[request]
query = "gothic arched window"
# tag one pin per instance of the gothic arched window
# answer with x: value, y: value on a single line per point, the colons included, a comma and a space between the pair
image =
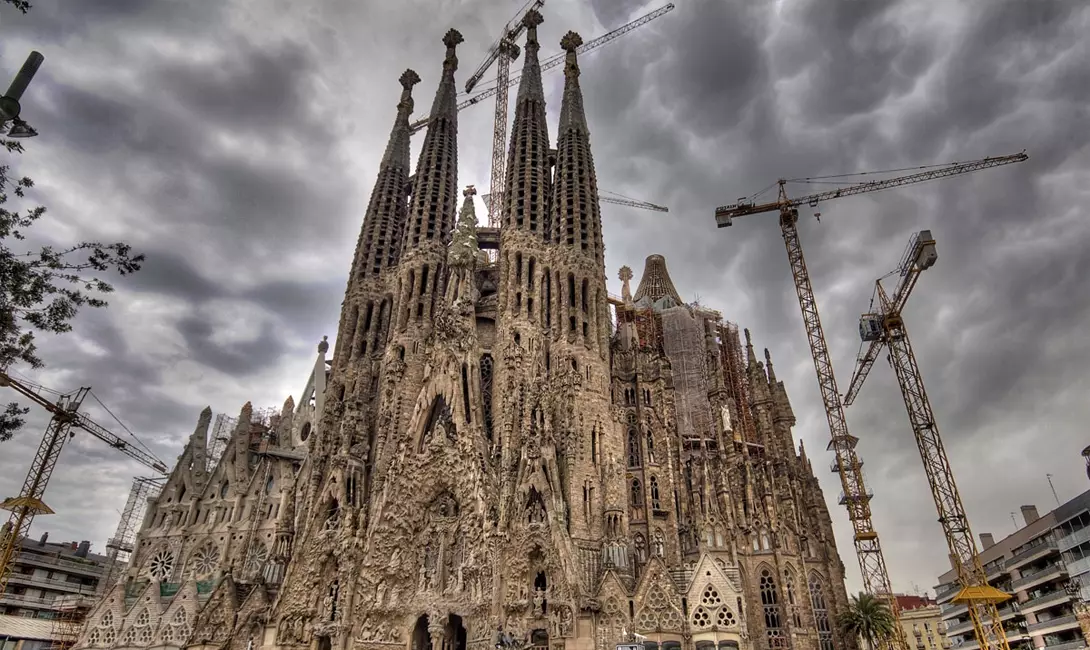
x: 633, y: 448
x: 650, y: 448
x: 770, y: 605
x: 637, y: 493
x: 821, y: 613
x: 655, y: 503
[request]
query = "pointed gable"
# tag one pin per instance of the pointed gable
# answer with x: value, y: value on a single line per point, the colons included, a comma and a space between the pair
x: 661, y: 603
x: 217, y: 618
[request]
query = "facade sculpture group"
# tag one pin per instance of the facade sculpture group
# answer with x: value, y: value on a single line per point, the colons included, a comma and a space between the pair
x: 489, y: 458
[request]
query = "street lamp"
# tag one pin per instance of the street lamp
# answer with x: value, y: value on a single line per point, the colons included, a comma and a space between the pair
x: 9, y: 103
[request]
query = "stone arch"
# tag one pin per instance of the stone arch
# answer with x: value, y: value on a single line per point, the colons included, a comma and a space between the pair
x: 790, y: 589
x: 439, y: 419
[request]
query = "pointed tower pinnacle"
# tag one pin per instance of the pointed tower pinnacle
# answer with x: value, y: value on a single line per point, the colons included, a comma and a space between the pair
x: 433, y: 201
x: 445, y: 104
x: 463, y: 250
x: 530, y: 84
x: 771, y: 371
x: 397, y: 150
x: 656, y: 283
x: 525, y: 201
x: 751, y: 356
x: 380, y: 239
x: 323, y: 345
x: 572, y: 115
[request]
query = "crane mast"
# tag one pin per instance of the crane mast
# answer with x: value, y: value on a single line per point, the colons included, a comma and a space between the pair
x: 887, y: 328
x: 29, y: 503
x: 856, y: 497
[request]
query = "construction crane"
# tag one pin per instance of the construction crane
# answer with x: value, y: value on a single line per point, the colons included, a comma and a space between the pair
x: 856, y: 498
x: 502, y: 53
x: 619, y: 199
x: 29, y: 503
x: 886, y: 328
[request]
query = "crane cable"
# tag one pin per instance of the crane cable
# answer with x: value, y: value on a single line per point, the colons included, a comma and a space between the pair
x: 127, y: 429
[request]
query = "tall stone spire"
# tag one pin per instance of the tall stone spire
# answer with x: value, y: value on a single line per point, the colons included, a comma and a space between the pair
x: 527, y: 182
x: 656, y: 283
x: 431, y: 212
x: 464, y: 250
x: 577, y: 220
x: 380, y: 238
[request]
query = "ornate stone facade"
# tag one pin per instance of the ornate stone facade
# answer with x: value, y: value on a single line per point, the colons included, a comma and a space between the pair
x: 496, y: 460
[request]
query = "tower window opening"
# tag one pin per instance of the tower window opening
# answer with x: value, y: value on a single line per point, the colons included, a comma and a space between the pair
x: 465, y: 393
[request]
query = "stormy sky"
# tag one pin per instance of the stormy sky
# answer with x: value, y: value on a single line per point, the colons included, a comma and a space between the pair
x: 236, y: 143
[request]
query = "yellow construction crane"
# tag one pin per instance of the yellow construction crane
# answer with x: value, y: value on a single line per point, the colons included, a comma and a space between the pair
x: 886, y: 328
x: 29, y: 503
x: 502, y: 53
x: 856, y: 498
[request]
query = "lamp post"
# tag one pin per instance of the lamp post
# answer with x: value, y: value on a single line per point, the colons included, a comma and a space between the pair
x: 9, y: 103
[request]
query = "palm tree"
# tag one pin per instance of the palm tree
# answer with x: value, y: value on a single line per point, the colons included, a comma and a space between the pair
x: 867, y: 618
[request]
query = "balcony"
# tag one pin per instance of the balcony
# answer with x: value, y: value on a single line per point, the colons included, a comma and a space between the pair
x: 1070, y: 645
x: 54, y: 584
x: 1045, y: 600
x: 1054, y: 624
x: 1032, y: 553
x: 954, y: 611
x: 82, y: 568
x: 1039, y: 576
x: 22, y: 600
x: 994, y: 571
x: 1079, y: 567
x: 1068, y: 542
x: 958, y: 629
x: 943, y: 593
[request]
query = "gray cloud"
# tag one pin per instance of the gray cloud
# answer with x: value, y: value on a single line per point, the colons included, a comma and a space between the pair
x: 237, y: 146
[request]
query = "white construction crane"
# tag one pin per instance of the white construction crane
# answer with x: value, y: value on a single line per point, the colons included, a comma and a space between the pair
x: 502, y: 53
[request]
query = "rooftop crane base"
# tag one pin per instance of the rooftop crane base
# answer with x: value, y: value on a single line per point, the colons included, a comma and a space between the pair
x: 37, y: 506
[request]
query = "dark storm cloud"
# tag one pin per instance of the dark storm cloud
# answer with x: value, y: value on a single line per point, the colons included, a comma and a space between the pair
x: 237, y: 144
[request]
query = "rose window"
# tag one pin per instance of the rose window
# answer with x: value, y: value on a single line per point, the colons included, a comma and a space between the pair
x: 204, y: 561
x: 161, y: 565
x: 256, y: 558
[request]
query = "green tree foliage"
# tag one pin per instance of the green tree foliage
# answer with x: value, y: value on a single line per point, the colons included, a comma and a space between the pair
x: 868, y: 618
x: 43, y: 290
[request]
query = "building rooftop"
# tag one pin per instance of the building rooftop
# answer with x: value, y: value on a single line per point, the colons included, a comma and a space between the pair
x: 20, y: 627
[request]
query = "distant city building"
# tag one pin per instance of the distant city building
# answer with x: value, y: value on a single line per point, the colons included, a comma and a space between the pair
x: 1045, y: 566
x: 921, y: 620
x: 45, y: 571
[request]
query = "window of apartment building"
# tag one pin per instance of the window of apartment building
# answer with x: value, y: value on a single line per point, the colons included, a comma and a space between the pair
x: 1076, y: 523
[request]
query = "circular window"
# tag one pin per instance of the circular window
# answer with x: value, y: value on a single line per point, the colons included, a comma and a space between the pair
x: 305, y: 433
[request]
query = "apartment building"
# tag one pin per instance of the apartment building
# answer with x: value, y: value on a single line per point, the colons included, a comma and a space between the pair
x: 921, y: 619
x: 1030, y: 565
x: 45, y: 571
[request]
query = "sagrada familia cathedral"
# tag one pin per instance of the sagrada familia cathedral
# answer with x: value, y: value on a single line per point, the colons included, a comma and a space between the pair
x: 490, y: 458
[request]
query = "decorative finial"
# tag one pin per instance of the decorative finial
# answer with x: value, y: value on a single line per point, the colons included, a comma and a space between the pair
x: 749, y: 341
x: 626, y: 291
x: 531, y: 20
x: 571, y: 42
x: 323, y: 346
x: 470, y: 190
x: 409, y: 78
x: 452, y: 39
x: 768, y: 363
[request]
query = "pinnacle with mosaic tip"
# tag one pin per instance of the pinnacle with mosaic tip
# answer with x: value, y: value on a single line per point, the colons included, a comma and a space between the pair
x: 531, y: 20
x: 571, y: 42
x: 452, y: 39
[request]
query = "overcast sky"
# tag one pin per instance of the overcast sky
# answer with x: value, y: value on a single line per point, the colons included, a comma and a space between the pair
x: 236, y: 144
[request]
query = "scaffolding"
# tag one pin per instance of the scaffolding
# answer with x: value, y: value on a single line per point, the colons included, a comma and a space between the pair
x: 119, y: 547
x: 734, y: 370
x: 70, y: 612
x: 221, y: 434
x: 683, y: 341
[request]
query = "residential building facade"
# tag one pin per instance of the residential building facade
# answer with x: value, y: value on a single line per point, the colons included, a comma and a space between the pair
x: 1037, y: 570
x: 46, y: 571
x: 921, y: 620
